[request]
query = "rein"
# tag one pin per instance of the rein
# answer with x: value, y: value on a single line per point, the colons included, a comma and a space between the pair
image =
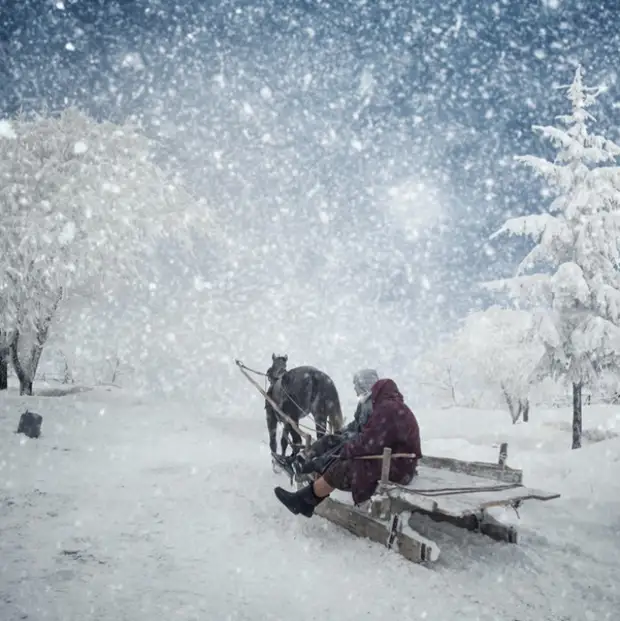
x: 243, y: 366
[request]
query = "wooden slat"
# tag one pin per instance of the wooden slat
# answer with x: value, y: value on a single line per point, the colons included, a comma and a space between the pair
x: 462, y: 494
x: 482, y: 469
x: 411, y: 501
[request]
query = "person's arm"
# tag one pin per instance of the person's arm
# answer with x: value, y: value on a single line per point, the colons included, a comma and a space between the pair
x: 374, y: 436
x: 354, y: 425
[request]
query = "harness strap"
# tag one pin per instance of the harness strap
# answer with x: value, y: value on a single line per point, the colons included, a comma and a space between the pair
x: 242, y: 366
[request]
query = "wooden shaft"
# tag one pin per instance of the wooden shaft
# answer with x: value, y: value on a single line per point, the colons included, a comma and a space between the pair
x: 393, y: 456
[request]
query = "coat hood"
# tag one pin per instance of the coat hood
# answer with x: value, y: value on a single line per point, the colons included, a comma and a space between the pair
x: 385, y: 389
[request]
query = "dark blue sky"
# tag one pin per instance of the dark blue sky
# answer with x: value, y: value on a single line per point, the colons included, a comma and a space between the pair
x: 457, y: 86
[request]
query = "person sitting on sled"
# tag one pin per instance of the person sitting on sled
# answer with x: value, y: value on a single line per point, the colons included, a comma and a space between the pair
x: 317, y: 456
x: 391, y: 424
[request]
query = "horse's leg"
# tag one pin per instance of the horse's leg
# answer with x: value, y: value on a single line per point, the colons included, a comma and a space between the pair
x: 290, y: 409
x: 284, y: 438
x: 295, y: 440
x: 320, y: 422
x: 272, y: 428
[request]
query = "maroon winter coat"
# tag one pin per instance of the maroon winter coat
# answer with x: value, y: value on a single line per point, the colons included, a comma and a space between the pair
x: 393, y: 425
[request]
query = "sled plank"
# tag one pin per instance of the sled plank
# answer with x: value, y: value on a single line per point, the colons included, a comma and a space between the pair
x: 441, y: 486
x: 482, y: 469
x: 386, y: 533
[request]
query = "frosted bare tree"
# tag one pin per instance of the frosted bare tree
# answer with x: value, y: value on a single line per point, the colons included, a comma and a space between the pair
x: 83, y: 209
x: 570, y: 278
x: 440, y: 373
x: 495, y: 347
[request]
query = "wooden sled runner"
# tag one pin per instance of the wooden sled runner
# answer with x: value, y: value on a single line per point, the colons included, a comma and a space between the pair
x: 446, y: 490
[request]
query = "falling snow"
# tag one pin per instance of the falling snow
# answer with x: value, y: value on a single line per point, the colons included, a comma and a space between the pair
x: 354, y: 184
x: 6, y: 130
x: 80, y: 147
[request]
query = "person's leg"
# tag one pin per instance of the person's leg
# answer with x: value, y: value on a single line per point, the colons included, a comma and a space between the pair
x: 322, y: 488
x: 311, y: 460
x: 323, y: 445
x: 304, y: 501
x: 337, y: 476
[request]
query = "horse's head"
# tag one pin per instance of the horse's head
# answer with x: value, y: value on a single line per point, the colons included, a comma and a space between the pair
x: 277, y: 368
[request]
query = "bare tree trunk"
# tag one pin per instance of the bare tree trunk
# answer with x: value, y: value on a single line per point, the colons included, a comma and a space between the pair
x: 25, y: 382
x: 26, y: 375
x: 4, y: 364
x: 526, y: 411
x: 577, y: 416
x: 4, y: 372
x: 515, y: 412
x: 451, y: 385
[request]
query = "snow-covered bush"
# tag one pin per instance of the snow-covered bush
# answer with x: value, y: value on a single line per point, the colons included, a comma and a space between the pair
x: 570, y: 278
x: 83, y: 208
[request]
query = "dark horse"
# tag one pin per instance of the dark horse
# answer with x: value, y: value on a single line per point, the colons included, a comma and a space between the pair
x: 298, y: 392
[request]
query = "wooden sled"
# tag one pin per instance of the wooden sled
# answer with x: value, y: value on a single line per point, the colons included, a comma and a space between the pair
x: 446, y: 490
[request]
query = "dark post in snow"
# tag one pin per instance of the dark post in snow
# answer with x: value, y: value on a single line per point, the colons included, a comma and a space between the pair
x: 577, y: 416
x: 30, y: 424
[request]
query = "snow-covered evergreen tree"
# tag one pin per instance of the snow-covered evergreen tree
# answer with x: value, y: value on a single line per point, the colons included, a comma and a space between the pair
x: 83, y: 208
x: 570, y: 278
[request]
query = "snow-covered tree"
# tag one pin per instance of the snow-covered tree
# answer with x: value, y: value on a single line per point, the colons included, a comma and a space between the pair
x: 498, y: 353
x: 83, y: 208
x: 442, y: 377
x: 570, y: 278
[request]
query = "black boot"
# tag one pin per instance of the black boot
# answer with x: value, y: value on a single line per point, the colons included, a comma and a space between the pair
x: 302, y: 501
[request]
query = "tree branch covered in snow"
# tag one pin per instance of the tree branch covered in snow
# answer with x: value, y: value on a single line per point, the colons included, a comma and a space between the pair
x: 83, y: 208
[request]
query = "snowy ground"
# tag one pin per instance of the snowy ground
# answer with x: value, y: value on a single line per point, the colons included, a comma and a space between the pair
x: 126, y: 509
